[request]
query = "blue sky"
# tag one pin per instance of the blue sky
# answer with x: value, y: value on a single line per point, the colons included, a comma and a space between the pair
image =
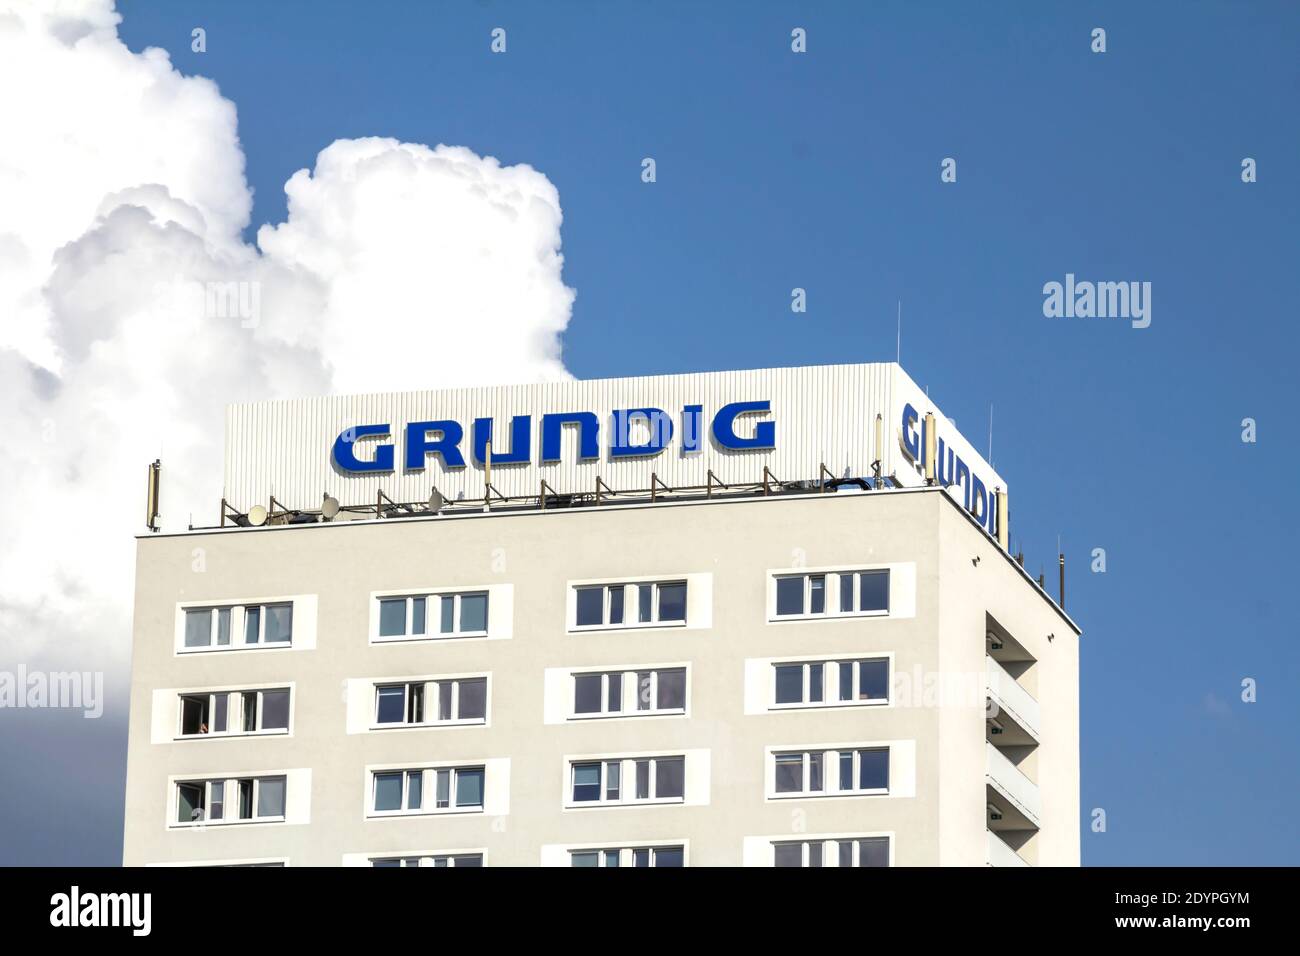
x: 821, y: 171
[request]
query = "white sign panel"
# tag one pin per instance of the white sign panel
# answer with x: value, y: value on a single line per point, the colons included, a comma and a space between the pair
x: 676, y: 428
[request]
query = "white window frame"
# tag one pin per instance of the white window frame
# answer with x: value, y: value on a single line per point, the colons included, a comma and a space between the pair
x: 428, y: 791
x: 632, y: 603
x: 630, y: 692
x: 229, y: 786
x: 238, y: 626
x: 627, y: 854
x: 432, y: 700
x: 828, y: 682
x: 831, y: 850
x: 626, y: 782
x: 833, y: 582
x: 831, y: 757
x: 409, y: 860
x: 234, y: 713
x: 432, y: 617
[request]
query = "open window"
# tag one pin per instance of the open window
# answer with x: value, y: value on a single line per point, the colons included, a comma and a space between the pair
x: 256, y: 799
x: 235, y: 712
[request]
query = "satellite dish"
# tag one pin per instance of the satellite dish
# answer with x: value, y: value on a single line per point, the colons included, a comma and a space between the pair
x: 329, y: 508
x: 436, y: 501
x: 257, y: 516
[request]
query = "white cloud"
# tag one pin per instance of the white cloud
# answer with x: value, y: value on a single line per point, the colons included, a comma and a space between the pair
x: 83, y: 117
x: 123, y: 188
x: 443, y: 268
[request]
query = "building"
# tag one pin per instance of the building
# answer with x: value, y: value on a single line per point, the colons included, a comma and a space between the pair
x: 755, y: 618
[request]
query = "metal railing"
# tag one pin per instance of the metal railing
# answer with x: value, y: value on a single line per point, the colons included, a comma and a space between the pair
x: 1002, y: 855
x: 1011, y: 697
x: 1011, y: 782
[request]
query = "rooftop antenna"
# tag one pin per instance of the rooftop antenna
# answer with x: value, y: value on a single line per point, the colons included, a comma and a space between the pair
x: 879, y: 449
x: 1060, y: 556
x: 152, y: 495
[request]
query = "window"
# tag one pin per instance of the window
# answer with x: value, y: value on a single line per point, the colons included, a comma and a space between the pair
x: 424, y: 703
x: 872, y: 591
x: 630, y: 693
x: 427, y: 616
x: 832, y: 594
x: 630, y: 856
x: 831, y: 683
x: 863, y: 851
x: 442, y: 859
x: 628, y: 780
x: 277, y: 626
x: 238, y: 626
x: 821, y: 773
x: 269, y: 797
x: 630, y: 605
x: 801, y: 594
x: 431, y: 790
x: 399, y: 791
x: 230, y: 713
x: 209, y: 801
x: 273, y: 710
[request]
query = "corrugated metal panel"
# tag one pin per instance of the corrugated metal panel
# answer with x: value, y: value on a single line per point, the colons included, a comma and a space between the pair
x: 822, y: 414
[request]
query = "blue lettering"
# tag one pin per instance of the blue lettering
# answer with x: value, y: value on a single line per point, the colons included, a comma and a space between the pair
x: 692, y: 436
x: 521, y: 441
x: 963, y: 479
x: 346, y: 458
x: 911, y: 441
x: 552, y: 431
x: 418, y: 446
x: 661, y: 432
x: 980, y: 500
x: 724, y: 426
x: 944, y: 477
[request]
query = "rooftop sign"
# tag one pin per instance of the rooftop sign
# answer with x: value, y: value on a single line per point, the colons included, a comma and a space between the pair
x: 674, y: 427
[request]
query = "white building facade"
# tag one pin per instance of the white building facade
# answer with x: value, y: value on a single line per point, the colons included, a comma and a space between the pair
x: 739, y: 618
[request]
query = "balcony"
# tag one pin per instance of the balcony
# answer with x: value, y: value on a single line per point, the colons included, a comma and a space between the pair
x: 1000, y: 854
x: 1015, y: 797
x: 1017, y: 712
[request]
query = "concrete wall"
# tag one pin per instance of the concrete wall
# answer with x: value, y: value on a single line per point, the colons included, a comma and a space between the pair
x: 734, y: 543
x: 971, y: 591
